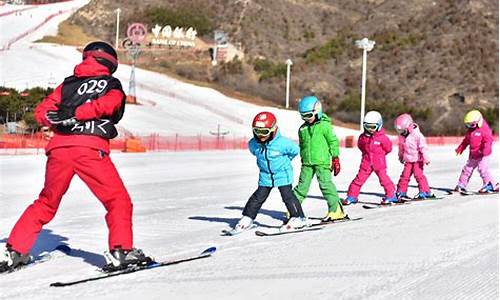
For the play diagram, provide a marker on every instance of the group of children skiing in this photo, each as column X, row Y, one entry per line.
column 79, row 119
column 319, row 152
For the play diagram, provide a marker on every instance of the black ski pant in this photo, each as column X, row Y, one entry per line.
column 260, row 196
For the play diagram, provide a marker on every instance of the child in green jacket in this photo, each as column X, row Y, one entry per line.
column 319, row 152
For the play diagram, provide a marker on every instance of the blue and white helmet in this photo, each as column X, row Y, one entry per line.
column 310, row 105
column 372, row 121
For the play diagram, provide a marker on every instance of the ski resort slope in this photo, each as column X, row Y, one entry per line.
column 33, row 22
column 167, row 106
column 444, row 249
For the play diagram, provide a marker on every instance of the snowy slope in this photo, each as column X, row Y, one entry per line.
column 446, row 249
column 168, row 106
column 27, row 17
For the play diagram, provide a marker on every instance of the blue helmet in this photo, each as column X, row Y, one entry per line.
column 310, row 104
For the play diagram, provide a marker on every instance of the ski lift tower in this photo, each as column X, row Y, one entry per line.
column 136, row 33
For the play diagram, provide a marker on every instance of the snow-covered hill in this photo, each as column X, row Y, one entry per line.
column 168, row 106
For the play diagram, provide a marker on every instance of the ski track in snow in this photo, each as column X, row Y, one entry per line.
column 445, row 249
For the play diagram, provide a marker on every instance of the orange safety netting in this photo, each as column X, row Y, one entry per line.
column 23, row 144
column 20, row 144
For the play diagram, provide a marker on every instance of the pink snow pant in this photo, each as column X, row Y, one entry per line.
column 417, row 169
column 95, row 168
column 362, row 176
column 484, row 171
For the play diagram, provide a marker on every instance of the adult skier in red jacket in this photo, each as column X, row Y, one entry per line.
column 82, row 112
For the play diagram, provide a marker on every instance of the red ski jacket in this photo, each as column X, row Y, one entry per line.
column 374, row 148
column 103, row 106
column 479, row 140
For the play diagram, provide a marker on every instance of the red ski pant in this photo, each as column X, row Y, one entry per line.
column 417, row 169
column 95, row 168
column 362, row 176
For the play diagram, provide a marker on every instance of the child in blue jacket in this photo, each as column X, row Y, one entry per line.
column 274, row 156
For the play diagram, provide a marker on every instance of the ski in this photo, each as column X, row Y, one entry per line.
column 232, row 232
column 59, row 251
column 427, row 199
column 277, row 232
column 321, row 223
column 471, row 193
column 379, row 205
column 206, row 253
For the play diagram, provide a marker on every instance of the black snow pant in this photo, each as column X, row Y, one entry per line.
column 260, row 196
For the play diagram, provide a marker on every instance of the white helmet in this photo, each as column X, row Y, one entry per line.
column 372, row 121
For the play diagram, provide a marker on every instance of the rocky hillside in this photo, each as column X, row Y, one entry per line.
column 435, row 59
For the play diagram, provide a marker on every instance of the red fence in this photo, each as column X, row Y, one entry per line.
column 35, row 144
column 156, row 142
column 24, row 144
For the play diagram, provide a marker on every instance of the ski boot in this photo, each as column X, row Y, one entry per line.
column 460, row 189
column 244, row 223
column 402, row 196
column 389, row 200
column 489, row 189
column 294, row 223
column 424, row 195
column 119, row 259
column 333, row 216
column 11, row 260
column 349, row 200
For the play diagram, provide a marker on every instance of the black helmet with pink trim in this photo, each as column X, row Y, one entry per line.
column 103, row 53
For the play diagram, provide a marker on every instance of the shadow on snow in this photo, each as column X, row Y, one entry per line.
column 47, row 240
column 278, row 215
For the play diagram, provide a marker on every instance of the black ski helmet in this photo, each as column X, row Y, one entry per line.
column 104, row 53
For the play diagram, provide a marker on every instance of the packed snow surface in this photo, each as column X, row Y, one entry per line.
column 444, row 249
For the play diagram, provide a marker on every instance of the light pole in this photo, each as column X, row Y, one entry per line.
column 366, row 45
column 220, row 135
column 289, row 64
column 118, row 10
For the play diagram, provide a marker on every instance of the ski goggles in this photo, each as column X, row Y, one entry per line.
column 370, row 126
column 262, row 131
column 401, row 131
column 471, row 125
column 307, row 115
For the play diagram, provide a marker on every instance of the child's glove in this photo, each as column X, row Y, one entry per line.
column 64, row 115
column 335, row 166
column 459, row 151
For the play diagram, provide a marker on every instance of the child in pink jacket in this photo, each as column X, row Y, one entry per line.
column 413, row 154
column 479, row 138
column 374, row 146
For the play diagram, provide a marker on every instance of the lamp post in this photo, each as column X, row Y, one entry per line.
column 118, row 10
column 367, row 45
column 289, row 64
column 220, row 135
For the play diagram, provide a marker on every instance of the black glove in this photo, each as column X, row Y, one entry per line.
column 64, row 115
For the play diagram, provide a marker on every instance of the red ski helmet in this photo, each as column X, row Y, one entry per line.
column 103, row 53
column 264, row 125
